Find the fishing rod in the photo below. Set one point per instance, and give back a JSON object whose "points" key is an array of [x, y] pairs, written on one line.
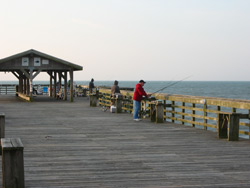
{"points": [[170, 85]]}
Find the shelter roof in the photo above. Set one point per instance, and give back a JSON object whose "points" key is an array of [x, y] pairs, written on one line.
{"points": [[14, 62]]}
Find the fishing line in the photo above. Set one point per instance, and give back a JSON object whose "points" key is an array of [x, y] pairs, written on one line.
{"points": [[152, 87], [170, 85]]}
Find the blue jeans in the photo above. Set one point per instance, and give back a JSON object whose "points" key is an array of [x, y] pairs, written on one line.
{"points": [[137, 108]]}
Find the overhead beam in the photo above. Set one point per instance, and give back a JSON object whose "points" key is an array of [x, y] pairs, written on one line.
{"points": [[37, 72], [25, 73], [15, 74], [50, 74]]}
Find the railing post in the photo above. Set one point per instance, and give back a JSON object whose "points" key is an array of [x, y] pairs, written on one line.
{"points": [[118, 104], [93, 100], [249, 120], [159, 112], [183, 111], [234, 122], [12, 163], [205, 115], [193, 112], [164, 108], [230, 121], [222, 122], [173, 111]]}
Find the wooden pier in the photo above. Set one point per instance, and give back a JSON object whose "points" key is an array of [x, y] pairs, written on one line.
{"points": [[72, 145]]}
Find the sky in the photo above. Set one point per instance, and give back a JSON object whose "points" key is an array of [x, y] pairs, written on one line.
{"points": [[207, 40]]}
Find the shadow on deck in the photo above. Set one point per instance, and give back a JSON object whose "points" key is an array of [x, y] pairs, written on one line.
{"points": [[74, 145]]}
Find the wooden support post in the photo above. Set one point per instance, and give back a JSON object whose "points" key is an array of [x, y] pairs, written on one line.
{"points": [[12, 163], [118, 104], [31, 83], [193, 112], [65, 86], [159, 112], [50, 84], [60, 80], [222, 122], [173, 111], [27, 86], [20, 85], [164, 108], [24, 86], [71, 86], [234, 123], [54, 89], [205, 115], [183, 111], [93, 100]]}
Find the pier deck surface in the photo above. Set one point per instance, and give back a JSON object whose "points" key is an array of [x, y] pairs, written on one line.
{"points": [[72, 145]]}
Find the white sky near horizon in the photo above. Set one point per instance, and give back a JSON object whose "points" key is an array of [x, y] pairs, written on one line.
{"points": [[133, 39]]}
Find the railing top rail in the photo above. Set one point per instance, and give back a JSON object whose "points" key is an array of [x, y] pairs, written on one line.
{"points": [[215, 101]]}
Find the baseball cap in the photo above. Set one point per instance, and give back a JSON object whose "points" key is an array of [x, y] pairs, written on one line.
{"points": [[142, 81]]}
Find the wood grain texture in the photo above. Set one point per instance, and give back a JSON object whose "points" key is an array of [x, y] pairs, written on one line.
{"points": [[71, 145]]}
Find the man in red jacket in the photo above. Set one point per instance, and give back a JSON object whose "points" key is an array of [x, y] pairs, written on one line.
{"points": [[138, 94]]}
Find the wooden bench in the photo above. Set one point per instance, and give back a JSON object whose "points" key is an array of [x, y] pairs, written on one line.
{"points": [[12, 163]]}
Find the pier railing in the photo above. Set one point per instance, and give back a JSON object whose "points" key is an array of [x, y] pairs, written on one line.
{"points": [[7, 89], [200, 112]]}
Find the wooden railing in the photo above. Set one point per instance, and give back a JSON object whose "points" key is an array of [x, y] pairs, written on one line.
{"points": [[7, 89], [10, 89], [200, 112]]}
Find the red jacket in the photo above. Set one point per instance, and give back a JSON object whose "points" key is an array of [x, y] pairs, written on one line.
{"points": [[139, 92]]}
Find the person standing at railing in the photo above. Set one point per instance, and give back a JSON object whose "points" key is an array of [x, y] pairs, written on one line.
{"points": [[138, 94], [115, 90], [91, 85]]}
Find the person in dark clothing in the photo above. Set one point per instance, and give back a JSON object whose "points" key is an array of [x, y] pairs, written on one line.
{"points": [[115, 88], [138, 94], [91, 85]]}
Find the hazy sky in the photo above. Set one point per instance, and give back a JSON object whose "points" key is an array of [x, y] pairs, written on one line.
{"points": [[133, 39]]}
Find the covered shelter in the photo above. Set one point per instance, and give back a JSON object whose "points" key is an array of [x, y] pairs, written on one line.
{"points": [[27, 65]]}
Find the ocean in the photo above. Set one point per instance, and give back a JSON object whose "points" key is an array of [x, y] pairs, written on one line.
{"points": [[223, 89]]}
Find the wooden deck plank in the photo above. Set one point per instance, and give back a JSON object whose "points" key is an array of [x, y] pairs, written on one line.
{"points": [[72, 145]]}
